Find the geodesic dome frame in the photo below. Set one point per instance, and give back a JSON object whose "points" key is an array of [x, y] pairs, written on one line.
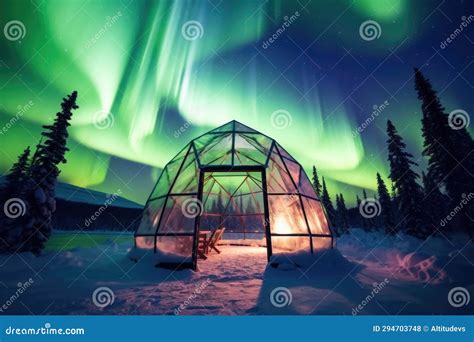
{"points": [[280, 202]]}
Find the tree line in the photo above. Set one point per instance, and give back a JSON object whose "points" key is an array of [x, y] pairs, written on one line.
{"points": [[27, 194], [436, 202]]}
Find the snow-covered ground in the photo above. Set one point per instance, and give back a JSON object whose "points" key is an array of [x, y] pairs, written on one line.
{"points": [[369, 273]]}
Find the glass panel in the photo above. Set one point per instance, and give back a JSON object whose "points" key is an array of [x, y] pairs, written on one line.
{"points": [[151, 216], [285, 244], [174, 248], [163, 185], [242, 128], [305, 187], [286, 216], [145, 242], [246, 153], [228, 127], [278, 180], [219, 153], [315, 216], [188, 178], [285, 154], [294, 170], [260, 142], [179, 215], [207, 141], [321, 243]]}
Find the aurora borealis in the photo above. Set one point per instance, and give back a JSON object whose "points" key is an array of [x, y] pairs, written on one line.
{"points": [[152, 75]]}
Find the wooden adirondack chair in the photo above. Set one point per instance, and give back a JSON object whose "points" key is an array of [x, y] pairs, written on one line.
{"points": [[206, 245], [214, 240]]}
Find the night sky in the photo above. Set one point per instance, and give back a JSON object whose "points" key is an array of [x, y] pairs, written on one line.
{"points": [[152, 75]]}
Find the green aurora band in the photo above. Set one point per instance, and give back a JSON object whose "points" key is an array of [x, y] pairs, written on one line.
{"points": [[136, 73]]}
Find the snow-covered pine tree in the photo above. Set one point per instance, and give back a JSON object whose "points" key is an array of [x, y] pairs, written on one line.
{"points": [[14, 216], [368, 223], [360, 219], [341, 214], [44, 171], [404, 179], [387, 221], [327, 204], [316, 183], [447, 150], [434, 202]]}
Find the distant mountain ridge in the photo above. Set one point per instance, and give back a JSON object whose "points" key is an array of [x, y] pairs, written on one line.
{"points": [[72, 193]]}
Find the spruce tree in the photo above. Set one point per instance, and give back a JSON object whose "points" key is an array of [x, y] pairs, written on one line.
{"points": [[14, 203], [434, 202], [448, 150], [327, 204], [316, 183], [369, 223], [341, 214], [404, 179], [385, 201], [361, 220], [44, 172]]}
